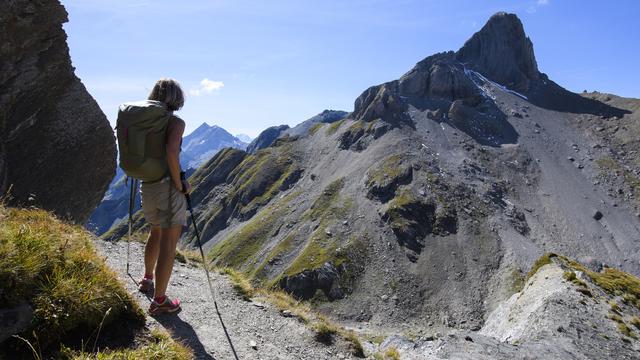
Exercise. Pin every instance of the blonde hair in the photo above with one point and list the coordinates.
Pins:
(169, 92)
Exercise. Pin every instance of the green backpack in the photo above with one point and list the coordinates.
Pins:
(142, 130)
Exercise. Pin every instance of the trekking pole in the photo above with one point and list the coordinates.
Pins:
(206, 271)
(132, 201)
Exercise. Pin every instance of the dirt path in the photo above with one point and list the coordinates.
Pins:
(198, 326)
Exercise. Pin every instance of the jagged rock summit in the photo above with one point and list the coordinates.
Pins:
(502, 52)
(51, 129)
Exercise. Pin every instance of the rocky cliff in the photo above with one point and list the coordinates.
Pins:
(57, 150)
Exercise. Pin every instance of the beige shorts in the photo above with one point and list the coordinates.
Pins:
(163, 205)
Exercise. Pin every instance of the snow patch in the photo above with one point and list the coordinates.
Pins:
(474, 76)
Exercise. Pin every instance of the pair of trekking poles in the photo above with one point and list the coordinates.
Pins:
(134, 188)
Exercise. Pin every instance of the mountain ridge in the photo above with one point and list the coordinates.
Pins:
(421, 208)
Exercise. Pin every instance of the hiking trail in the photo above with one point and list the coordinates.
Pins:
(198, 326)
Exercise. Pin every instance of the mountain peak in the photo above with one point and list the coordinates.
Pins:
(502, 51)
(202, 126)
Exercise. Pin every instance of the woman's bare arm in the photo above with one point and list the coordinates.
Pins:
(174, 140)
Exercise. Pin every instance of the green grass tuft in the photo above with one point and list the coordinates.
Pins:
(542, 261)
(614, 306)
(625, 330)
(241, 284)
(391, 354)
(333, 127)
(356, 346)
(324, 331)
(517, 277)
(569, 275)
(615, 317)
(160, 346)
(313, 129)
(389, 169)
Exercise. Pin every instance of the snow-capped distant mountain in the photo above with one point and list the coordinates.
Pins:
(204, 142)
(244, 137)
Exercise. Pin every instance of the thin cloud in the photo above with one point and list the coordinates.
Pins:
(207, 87)
(539, 3)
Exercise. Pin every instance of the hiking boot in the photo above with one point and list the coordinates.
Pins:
(146, 285)
(167, 306)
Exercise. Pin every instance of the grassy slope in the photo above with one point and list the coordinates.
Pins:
(54, 268)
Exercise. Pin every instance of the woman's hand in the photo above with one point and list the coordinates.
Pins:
(183, 186)
(186, 187)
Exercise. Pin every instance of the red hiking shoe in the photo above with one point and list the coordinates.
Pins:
(145, 285)
(167, 306)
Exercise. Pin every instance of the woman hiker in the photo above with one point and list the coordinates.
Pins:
(163, 197)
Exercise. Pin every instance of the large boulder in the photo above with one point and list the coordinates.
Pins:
(57, 150)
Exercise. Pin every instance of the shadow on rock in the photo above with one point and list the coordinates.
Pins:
(551, 96)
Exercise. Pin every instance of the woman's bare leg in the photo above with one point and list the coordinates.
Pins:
(168, 241)
(152, 250)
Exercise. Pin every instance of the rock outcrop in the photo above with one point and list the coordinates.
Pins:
(57, 150)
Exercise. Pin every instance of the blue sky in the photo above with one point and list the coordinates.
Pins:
(248, 65)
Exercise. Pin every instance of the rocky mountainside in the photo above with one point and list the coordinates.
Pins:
(47, 117)
(422, 210)
(197, 147)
